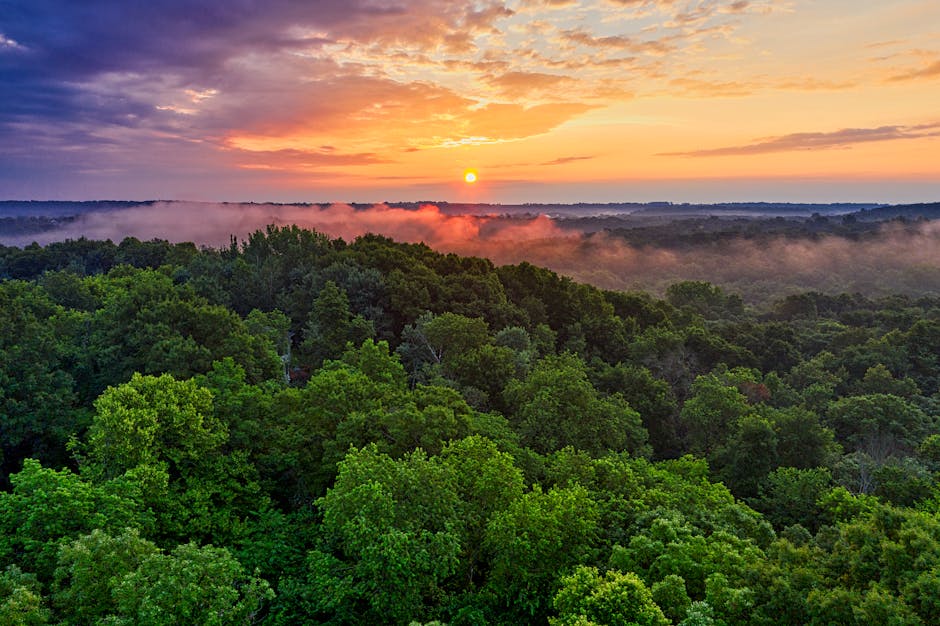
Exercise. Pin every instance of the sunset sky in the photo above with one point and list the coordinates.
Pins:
(547, 100)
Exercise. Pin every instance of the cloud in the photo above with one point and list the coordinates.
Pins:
(896, 260)
(886, 44)
(618, 42)
(930, 71)
(567, 159)
(303, 159)
(7, 44)
(641, 3)
(814, 84)
(521, 83)
(549, 4)
(844, 138)
(114, 85)
(265, 77)
(393, 116)
(712, 89)
(70, 46)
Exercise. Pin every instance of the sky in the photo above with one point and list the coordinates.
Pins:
(546, 100)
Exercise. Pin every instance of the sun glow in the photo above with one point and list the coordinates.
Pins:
(470, 176)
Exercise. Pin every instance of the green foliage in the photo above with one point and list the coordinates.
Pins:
(704, 299)
(21, 601)
(652, 398)
(878, 379)
(802, 440)
(195, 585)
(161, 434)
(699, 614)
(748, 455)
(614, 599)
(789, 496)
(332, 326)
(393, 539)
(532, 542)
(556, 406)
(91, 567)
(387, 434)
(487, 483)
(149, 420)
(48, 507)
(710, 412)
(880, 425)
(670, 595)
(375, 361)
(673, 547)
(148, 324)
(37, 396)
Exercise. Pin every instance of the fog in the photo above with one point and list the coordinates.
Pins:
(896, 260)
(209, 224)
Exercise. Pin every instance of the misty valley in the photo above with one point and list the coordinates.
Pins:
(294, 428)
(760, 251)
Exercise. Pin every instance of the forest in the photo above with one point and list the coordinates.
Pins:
(296, 429)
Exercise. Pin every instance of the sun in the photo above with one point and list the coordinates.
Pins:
(470, 177)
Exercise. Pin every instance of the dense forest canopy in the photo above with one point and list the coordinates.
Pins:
(295, 429)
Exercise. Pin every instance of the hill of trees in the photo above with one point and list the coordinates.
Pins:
(300, 430)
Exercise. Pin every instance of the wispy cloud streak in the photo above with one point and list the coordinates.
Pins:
(844, 138)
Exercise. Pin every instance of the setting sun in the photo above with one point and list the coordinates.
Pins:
(470, 176)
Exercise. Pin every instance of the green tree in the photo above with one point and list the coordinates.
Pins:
(652, 398)
(37, 395)
(331, 326)
(150, 325)
(162, 433)
(556, 406)
(789, 496)
(435, 342)
(700, 614)
(487, 483)
(90, 568)
(878, 379)
(192, 584)
(710, 413)
(802, 440)
(149, 420)
(671, 596)
(704, 298)
(749, 454)
(534, 541)
(881, 425)
(47, 508)
(614, 599)
(21, 601)
(391, 540)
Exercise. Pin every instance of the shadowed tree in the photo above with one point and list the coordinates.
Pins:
(331, 327)
(557, 406)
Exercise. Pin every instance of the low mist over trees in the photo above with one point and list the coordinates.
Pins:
(756, 252)
(296, 429)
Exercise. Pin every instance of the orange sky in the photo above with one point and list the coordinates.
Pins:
(548, 100)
